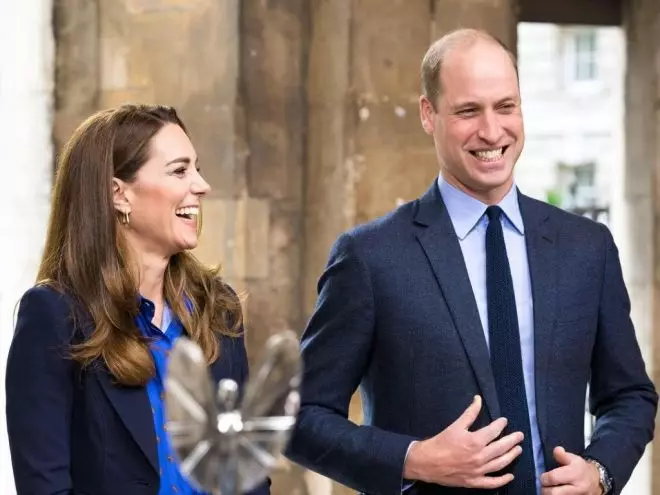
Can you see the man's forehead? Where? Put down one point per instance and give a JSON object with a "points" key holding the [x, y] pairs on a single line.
{"points": [[479, 74], [480, 55]]}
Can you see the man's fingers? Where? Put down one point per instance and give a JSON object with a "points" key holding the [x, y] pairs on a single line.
{"points": [[491, 482], [502, 446], [562, 457], [502, 461], [558, 490], [557, 477], [489, 433], [470, 415]]}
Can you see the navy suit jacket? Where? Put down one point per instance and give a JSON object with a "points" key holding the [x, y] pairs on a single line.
{"points": [[396, 315], [73, 431]]}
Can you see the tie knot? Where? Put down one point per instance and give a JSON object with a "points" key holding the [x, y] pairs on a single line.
{"points": [[494, 213]]}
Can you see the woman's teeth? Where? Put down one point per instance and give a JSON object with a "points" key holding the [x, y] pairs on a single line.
{"points": [[187, 212]]}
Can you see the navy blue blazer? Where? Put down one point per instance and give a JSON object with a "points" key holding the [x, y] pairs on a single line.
{"points": [[396, 315], [73, 431]]}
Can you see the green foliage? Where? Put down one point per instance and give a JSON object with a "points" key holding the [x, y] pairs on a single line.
{"points": [[553, 197]]}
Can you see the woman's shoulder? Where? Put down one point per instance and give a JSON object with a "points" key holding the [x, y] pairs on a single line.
{"points": [[46, 296], [45, 305]]}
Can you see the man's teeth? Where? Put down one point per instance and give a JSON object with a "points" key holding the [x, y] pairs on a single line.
{"points": [[489, 154], [189, 211]]}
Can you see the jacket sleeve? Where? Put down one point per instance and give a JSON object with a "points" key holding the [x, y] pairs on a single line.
{"points": [[336, 349], [623, 398], [39, 393]]}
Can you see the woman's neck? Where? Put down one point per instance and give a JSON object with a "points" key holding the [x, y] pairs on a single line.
{"points": [[152, 277], [150, 267]]}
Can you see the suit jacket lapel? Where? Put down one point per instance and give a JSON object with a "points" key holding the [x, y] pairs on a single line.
{"points": [[133, 407], [542, 255], [440, 244], [131, 403]]}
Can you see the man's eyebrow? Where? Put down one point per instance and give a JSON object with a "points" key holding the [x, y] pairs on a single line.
{"points": [[473, 104]]}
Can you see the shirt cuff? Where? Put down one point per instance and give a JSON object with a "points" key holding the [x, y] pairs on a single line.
{"points": [[406, 485]]}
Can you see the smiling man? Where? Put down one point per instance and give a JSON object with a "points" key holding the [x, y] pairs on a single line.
{"points": [[473, 319]]}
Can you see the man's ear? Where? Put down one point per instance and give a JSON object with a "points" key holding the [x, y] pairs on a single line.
{"points": [[426, 114], [119, 196]]}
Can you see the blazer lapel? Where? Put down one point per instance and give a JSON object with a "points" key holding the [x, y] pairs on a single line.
{"points": [[440, 244], [542, 255], [133, 407]]}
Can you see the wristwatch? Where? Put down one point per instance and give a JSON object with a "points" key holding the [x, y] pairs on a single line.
{"points": [[605, 478]]}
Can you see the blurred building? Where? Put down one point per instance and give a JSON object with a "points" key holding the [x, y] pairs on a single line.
{"points": [[304, 115], [572, 84]]}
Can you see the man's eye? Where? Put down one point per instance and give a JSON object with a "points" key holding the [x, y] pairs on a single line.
{"points": [[180, 171]]}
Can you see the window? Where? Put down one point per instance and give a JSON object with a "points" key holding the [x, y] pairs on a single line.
{"points": [[585, 48], [576, 185], [576, 191], [580, 47]]}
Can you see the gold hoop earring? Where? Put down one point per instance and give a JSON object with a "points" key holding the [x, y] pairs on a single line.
{"points": [[125, 219]]}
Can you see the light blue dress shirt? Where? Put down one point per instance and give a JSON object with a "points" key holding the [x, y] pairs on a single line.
{"points": [[468, 217]]}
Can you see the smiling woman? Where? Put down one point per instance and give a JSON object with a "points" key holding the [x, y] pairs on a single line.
{"points": [[117, 286]]}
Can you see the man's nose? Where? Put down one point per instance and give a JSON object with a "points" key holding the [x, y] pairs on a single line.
{"points": [[490, 130]]}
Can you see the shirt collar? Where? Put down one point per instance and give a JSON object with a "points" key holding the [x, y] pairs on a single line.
{"points": [[147, 310], [466, 211], [167, 318]]}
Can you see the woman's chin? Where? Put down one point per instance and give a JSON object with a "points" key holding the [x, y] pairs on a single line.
{"points": [[189, 246], [184, 245]]}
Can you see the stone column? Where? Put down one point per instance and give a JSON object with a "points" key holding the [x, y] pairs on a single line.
{"points": [[271, 125], [639, 215], [498, 17], [75, 23]]}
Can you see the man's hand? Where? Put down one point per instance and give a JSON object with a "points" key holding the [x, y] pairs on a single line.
{"points": [[574, 476], [458, 457]]}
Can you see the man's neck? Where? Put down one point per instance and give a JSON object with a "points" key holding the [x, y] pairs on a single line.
{"points": [[489, 197]]}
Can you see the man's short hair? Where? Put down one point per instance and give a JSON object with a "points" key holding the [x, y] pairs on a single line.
{"points": [[438, 51]]}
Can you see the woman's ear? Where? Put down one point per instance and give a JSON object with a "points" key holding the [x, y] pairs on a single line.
{"points": [[119, 196]]}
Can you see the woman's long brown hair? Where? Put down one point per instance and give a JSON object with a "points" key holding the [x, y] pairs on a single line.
{"points": [[85, 255]]}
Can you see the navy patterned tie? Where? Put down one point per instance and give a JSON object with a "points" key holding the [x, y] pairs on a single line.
{"points": [[505, 354]]}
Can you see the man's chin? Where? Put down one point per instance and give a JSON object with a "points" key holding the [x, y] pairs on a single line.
{"points": [[496, 173]]}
